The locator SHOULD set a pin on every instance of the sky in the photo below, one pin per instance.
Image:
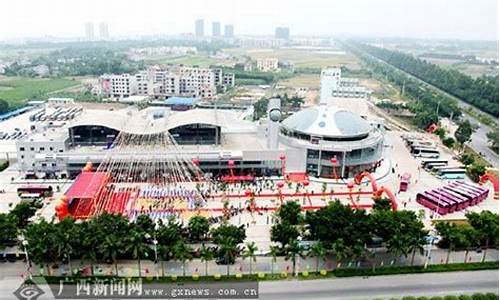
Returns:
(440, 19)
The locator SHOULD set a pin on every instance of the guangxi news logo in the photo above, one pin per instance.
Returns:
(28, 291)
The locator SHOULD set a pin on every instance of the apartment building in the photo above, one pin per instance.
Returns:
(267, 64)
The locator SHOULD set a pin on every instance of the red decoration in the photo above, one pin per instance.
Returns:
(248, 193)
(350, 185)
(280, 184)
(282, 156)
(195, 161)
(333, 160)
(306, 182)
(230, 163)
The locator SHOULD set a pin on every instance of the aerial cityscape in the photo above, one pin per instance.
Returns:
(252, 150)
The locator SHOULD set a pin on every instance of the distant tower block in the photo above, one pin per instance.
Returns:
(229, 31)
(199, 30)
(330, 80)
(216, 29)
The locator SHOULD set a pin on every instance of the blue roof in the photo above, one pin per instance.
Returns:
(190, 101)
(15, 112)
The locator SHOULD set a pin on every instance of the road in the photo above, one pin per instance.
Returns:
(479, 141)
(430, 284)
(381, 287)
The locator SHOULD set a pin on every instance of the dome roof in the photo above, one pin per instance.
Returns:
(329, 121)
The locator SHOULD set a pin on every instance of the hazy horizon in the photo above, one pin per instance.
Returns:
(425, 19)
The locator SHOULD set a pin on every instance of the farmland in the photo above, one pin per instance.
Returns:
(14, 90)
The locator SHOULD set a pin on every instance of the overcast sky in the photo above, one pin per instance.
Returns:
(455, 19)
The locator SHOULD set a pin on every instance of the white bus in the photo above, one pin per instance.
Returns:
(425, 152)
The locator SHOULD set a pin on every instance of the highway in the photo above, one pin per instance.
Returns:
(383, 287)
(479, 141)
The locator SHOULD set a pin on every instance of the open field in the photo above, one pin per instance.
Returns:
(190, 60)
(302, 80)
(302, 58)
(16, 89)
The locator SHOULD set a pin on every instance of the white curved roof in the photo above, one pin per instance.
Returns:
(142, 122)
(329, 121)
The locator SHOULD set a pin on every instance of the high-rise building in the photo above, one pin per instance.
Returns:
(330, 80)
(229, 31)
(282, 33)
(216, 29)
(103, 31)
(199, 30)
(89, 31)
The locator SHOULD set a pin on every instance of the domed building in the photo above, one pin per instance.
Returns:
(333, 137)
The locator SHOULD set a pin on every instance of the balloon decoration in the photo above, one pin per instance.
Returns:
(282, 156)
(280, 184)
(62, 207)
(306, 182)
(88, 167)
(196, 161)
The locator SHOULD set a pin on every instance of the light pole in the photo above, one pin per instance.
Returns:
(155, 246)
(429, 248)
(24, 242)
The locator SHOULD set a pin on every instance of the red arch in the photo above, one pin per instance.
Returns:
(359, 178)
(377, 192)
(488, 176)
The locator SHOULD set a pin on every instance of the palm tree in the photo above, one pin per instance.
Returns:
(182, 252)
(249, 252)
(228, 249)
(163, 254)
(274, 250)
(292, 250)
(137, 246)
(206, 255)
(65, 240)
(318, 251)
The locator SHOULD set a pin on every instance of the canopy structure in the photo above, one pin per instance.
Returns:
(141, 174)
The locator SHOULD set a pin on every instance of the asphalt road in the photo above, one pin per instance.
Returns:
(479, 141)
(381, 287)
(430, 284)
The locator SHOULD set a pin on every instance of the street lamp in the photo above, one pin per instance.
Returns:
(24, 242)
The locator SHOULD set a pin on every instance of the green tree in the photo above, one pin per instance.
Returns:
(290, 213)
(41, 243)
(237, 233)
(293, 250)
(464, 132)
(65, 239)
(136, 246)
(283, 232)
(24, 211)
(182, 252)
(249, 252)
(486, 224)
(4, 106)
(198, 228)
(467, 159)
(228, 251)
(475, 171)
(206, 255)
(318, 251)
(449, 142)
(8, 230)
(493, 139)
(274, 251)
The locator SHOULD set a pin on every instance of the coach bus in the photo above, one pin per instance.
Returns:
(451, 173)
(432, 202)
(41, 190)
(425, 162)
(425, 152)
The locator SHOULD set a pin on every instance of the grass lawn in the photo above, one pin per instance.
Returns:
(302, 58)
(302, 80)
(190, 60)
(15, 90)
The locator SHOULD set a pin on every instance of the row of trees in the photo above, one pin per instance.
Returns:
(428, 105)
(481, 92)
(108, 238)
(344, 232)
(288, 104)
(481, 230)
(15, 220)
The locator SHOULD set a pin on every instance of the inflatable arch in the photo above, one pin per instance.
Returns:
(488, 176)
(377, 191)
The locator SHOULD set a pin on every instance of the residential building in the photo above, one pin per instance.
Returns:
(216, 29)
(330, 78)
(89, 31)
(229, 31)
(199, 30)
(267, 64)
(282, 33)
(123, 85)
(103, 31)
